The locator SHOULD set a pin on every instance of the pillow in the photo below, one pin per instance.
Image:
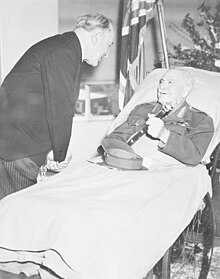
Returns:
(204, 96)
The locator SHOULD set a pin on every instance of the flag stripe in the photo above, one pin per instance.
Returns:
(136, 13)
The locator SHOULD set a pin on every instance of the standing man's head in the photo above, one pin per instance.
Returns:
(174, 87)
(96, 35)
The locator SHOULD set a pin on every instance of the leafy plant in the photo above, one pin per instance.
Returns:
(205, 53)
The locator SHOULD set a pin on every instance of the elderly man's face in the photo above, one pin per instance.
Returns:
(171, 91)
(101, 41)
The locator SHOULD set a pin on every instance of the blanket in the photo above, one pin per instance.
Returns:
(94, 222)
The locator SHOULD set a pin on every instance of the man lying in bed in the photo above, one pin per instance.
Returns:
(183, 133)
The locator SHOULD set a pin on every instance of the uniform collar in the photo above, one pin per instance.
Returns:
(179, 113)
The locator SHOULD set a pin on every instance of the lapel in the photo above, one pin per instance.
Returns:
(178, 116)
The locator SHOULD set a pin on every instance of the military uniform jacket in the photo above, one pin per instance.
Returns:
(190, 131)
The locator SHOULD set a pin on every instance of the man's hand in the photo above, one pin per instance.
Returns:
(57, 166)
(156, 126)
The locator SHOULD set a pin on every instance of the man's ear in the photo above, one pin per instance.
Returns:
(97, 36)
(185, 92)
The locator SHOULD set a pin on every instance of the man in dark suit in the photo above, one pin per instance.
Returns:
(38, 96)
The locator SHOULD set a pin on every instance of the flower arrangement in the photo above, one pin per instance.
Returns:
(205, 53)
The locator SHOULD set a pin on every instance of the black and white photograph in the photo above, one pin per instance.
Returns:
(109, 139)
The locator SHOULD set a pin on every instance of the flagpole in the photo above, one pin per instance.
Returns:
(163, 31)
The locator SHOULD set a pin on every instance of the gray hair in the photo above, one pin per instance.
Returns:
(188, 77)
(90, 22)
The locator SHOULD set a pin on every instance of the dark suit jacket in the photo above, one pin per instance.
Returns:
(37, 100)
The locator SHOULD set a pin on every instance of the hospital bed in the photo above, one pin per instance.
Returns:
(94, 222)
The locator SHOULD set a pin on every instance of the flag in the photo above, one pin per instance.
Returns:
(136, 14)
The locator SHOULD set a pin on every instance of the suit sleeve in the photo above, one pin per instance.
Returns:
(189, 144)
(61, 88)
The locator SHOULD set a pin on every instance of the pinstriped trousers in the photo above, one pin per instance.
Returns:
(17, 175)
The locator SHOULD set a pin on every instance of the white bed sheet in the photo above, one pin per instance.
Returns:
(91, 222)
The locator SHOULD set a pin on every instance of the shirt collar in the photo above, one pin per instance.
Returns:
(82, 50)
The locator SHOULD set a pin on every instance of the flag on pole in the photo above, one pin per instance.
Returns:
(136, 14)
